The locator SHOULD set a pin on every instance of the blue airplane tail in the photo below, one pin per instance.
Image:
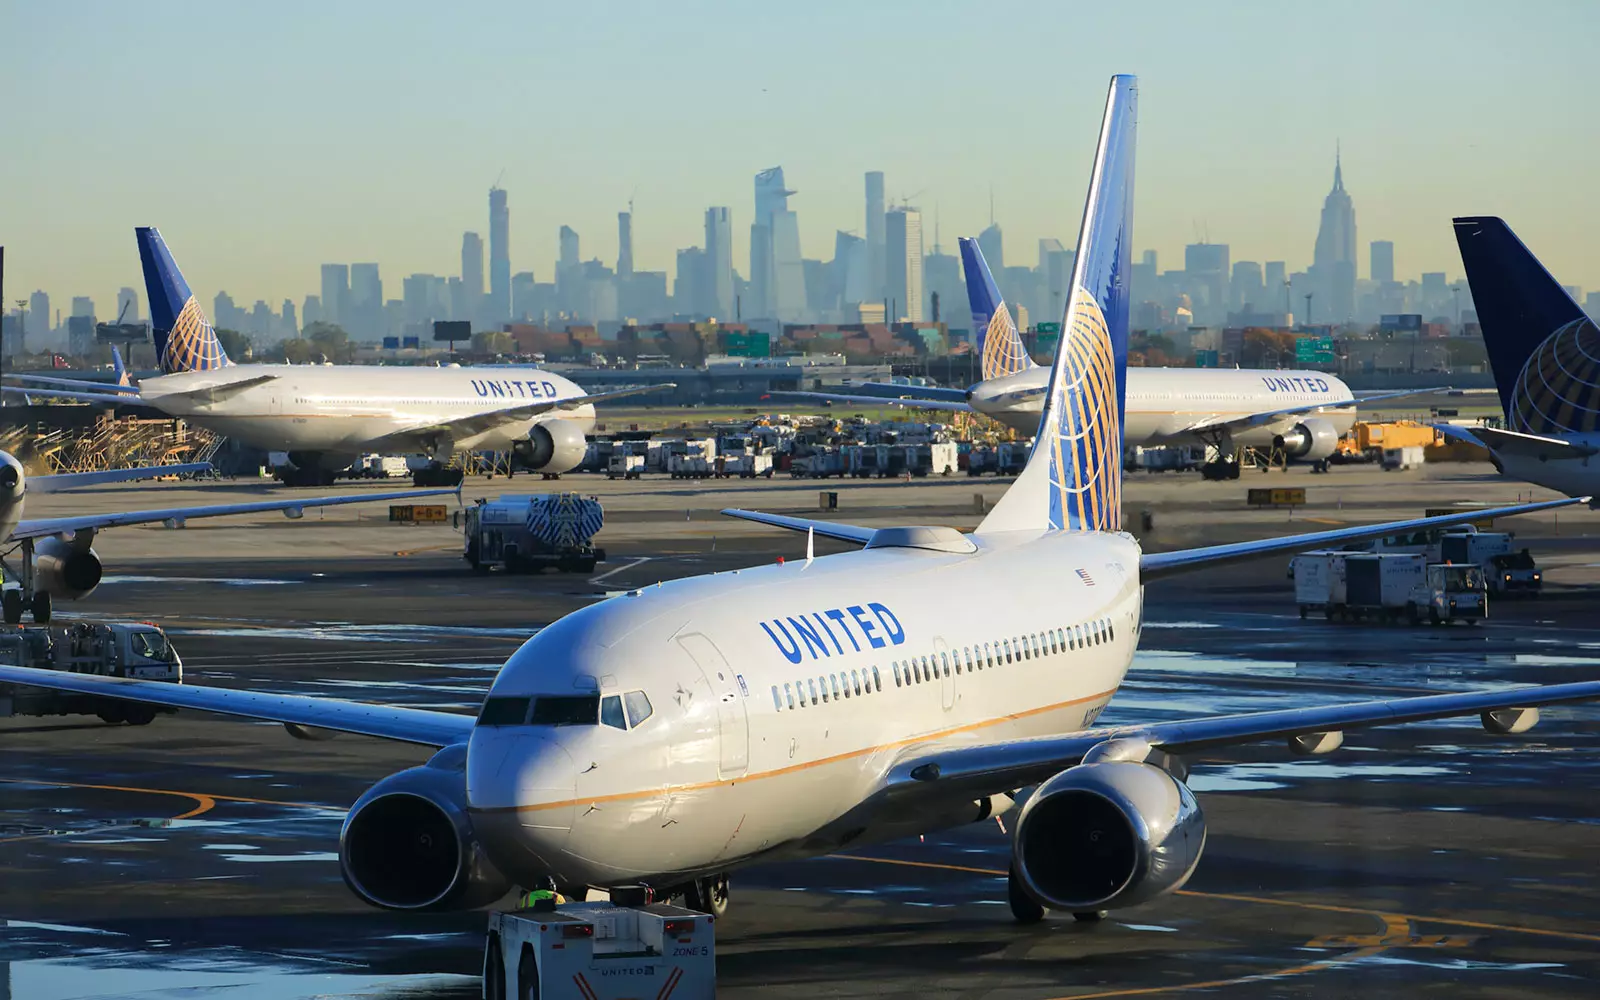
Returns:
(1000, 347)
(118, 369)
(1073, 479)
(1544, 351)
(184, 340)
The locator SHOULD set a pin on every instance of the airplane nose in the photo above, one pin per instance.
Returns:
(521, 788)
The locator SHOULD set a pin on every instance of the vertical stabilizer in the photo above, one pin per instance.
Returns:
(1073, 479)
(1544, 351)
(118, 369)
(184, 341)
(1000, 347)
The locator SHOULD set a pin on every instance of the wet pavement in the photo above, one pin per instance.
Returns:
(195, 856)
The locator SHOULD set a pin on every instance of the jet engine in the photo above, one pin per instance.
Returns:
(1312, 439)
(408, 843)
(553, 446)
(1107, 834)
(64, 570)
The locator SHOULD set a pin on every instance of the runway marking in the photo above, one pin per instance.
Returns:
(1420, 918)
(430, 548)
(613, 572)
(1324, 520)
(204, 803)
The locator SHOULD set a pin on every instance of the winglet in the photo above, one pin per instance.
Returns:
(1000, 347)
(1073, 479)
(184, 340)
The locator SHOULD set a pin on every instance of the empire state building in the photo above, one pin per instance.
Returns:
(1333, 267)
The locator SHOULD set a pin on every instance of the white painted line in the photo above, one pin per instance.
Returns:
(613, 572)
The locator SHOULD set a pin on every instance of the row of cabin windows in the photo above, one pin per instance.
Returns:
(918, 670)
(432, 401)
(832, 687)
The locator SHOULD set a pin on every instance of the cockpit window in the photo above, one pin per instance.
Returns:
(611, 712)
(566, 710)
(503, 711)
(638, 707)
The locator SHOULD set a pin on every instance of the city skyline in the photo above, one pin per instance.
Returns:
(283, 179)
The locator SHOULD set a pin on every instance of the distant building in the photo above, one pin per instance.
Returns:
(1247, 288)
(852, 270)
(335, 292)
(1055, 277)
(689, 287)
(777, 276)
(569, 270)
(992, 243)
(1382, 265)
(498, 304)
(719, 265)
(874, 249)
(38, 317)
(527, 298)
(288, 325)
(1205, 267)
(903, 262)
(366, 307)
(127, 306)
(467, 297)
(82, 305)
(1591, 305)
(1333, 266)
(310, 311)
(624, 245)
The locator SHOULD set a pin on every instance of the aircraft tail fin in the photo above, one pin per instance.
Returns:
(185, 341)
(118, 368)
(1000, 347)
(1073, 479)
(1544, 351)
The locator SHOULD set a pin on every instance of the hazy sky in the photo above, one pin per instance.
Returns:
(267, 138)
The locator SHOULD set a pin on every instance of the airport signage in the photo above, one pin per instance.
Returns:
(1047, 327)
(452, 330)
(1205, 358)
(420, 513)
(1313, 350)
(1482, 523)
(1280, 497)
(1401, 322)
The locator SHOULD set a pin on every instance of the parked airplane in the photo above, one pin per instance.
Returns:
(325, 415)
(671, 734)
(56, 560)
(1299, 413)
(1545, 353)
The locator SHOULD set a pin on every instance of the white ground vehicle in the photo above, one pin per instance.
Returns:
(1351, 586)
(600, 951)
(110, 649)
(528, 533)
(625, 464)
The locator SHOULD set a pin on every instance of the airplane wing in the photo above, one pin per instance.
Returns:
(39, 527)
(910, 403)
(73, 480)
(1154, 565)
(929, 772)
(827, 529)
(113, 398)
(474, 424)
(74, 383)
(409, 725)
(886, 390)
(1369, 396)
(1529, 445)
(1249, 420)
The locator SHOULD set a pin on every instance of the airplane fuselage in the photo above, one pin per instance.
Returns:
(780, 694)
(1163, 401)
(348, 409)
(1576, 477)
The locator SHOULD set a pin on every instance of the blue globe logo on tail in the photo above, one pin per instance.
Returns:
(1558, 389)
(184, 341)
(1086, 448)
(999, 345)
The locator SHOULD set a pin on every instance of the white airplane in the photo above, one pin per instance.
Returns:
(1545, 353)
(326, 415)
(1301, 413)
(55, 558)
(669, 735)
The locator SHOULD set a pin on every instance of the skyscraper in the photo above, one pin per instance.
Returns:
(1382, 268)
(875, 246)
(718, 266)
(1205, 267)
(127, 306)
(625, 245)
(992, 243)
(689, 294)
(903, 262)
(365, 313)
(499, 300)
(1248, 288)
(82, 305)
(472, 265)
(777, 277)
(1333, 265)
(1055, 267)
(38, 316)
(335, 293)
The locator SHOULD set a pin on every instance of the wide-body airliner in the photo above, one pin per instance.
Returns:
(324, 416)
(675, 733)
(1545, 353)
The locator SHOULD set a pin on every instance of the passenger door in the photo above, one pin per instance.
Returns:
(733, 726)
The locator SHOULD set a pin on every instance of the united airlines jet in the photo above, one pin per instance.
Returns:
(54, 556)
(673, 734)
(1300, 413)
(326, 415)
(1545, 353)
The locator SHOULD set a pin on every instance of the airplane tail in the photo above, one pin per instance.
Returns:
(1073, 479)
(999, 345)
(185, 341)
(1544, 351)
(118, 368)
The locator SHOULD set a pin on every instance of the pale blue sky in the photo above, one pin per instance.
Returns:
(266, 138)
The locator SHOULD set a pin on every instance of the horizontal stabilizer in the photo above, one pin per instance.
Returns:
(109, 398)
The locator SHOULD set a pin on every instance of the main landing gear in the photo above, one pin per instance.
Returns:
(1222, 468)
(708, 895)
(1026, 910)
(16, 601)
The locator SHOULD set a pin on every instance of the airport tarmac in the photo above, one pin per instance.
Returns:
(196, 855)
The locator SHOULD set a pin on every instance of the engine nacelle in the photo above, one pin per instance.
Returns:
(1105, 835)
(408, 844)
(553, 446)
(65, 571)
(1312, 439)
